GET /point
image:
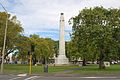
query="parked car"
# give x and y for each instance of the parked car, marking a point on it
(114, 62)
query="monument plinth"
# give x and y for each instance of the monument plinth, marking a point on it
(61, 59)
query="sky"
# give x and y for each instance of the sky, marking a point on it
(42, 16)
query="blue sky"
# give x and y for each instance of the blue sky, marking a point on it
(42, 16)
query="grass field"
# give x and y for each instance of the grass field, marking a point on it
(93, 69)
(19, 68)
(90, 69)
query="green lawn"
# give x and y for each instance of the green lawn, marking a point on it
(90, 69)
(93, 69)
(19, 68)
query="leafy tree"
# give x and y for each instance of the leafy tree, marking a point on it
(13, 32)
(44, 48)
(96, 31)
(72, 52)
(23, 45)
(56, 48)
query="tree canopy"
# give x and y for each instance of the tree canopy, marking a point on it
(13, 31)
(97, 31)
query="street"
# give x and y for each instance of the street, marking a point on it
(16, 77)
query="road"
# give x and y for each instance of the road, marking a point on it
(16, 77)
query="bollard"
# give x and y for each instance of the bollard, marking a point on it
(46, 68)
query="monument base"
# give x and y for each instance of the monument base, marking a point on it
(61, 60)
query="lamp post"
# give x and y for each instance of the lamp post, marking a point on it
(4, 43)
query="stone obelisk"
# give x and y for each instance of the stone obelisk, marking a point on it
(61, 59)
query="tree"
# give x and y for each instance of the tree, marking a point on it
(94, 32)
(72, 52)
(44, 48)
(13, 32)
(23, 45)
(56, 48)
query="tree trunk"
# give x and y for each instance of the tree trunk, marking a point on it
(93, 60)
(46, 66)
(101, 60)
(34, 59)
(84, 62)
(101, 65)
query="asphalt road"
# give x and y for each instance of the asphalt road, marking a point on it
(16, 77)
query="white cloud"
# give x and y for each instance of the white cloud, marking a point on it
(39, 15)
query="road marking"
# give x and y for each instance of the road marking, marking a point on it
(15, 78)
(99, 77)
(22, 75)
(33, 77)
(88, 77)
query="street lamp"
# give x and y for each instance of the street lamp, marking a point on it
(4, 43)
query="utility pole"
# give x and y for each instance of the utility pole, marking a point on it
(4, 43)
